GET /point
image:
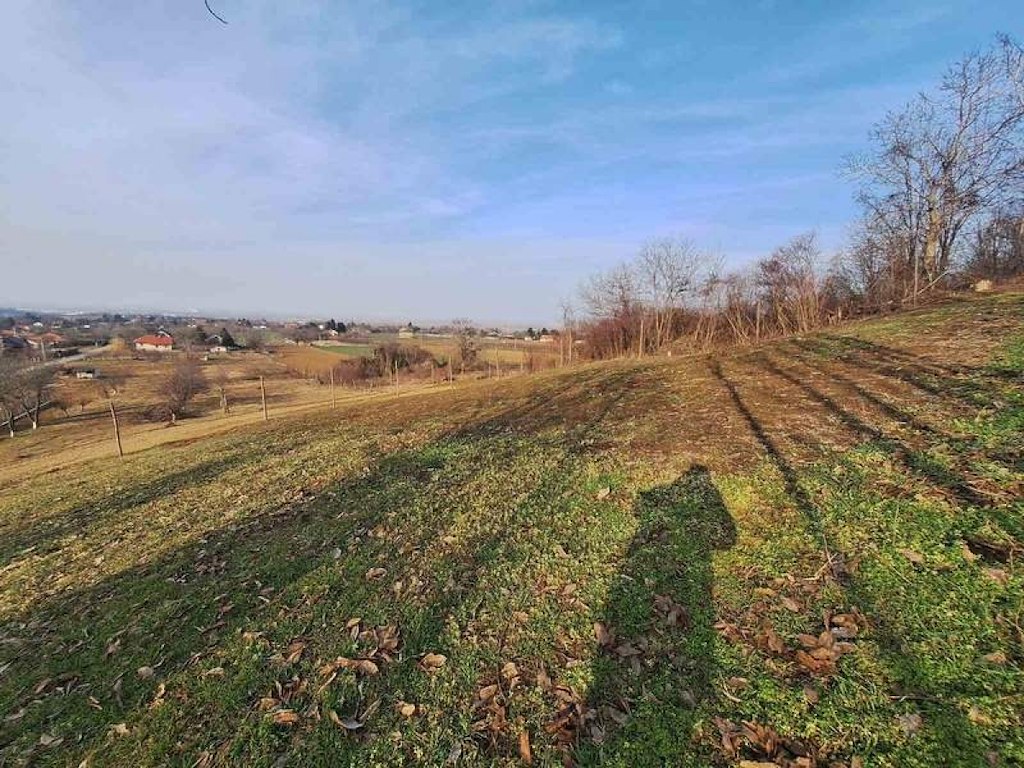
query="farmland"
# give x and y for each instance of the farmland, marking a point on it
(801, 553)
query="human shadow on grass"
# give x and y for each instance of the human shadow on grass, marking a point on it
(654, 671)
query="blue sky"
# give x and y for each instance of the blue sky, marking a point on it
(431, 160)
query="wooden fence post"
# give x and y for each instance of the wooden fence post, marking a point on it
(334, 400)
(263, 397)
(117, 430)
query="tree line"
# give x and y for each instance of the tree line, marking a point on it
(941, 198)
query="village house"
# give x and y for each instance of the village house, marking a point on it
(155, 342)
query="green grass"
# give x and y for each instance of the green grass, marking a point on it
(618, 564)
(348, 350)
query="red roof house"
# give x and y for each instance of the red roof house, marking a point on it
(154, 343)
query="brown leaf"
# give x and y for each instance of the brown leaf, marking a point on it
(376, 573)
(366, 667)
(145, 673)
(772, 641)
(998, 575)
(791, 605)
(287, 717)
(432, 662)
(603, 493)
(604, 637)
(811, 694)
(119, 729)
(294, 652)
(486, 693)
(525, 752)
(543, 680)
(996, 657)
(915, 557)
(405, 709)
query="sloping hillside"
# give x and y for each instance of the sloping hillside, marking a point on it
(803, 554)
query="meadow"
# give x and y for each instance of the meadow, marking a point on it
(805, 553)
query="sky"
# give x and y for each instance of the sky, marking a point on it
(424, 161)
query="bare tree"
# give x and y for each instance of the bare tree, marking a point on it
(33, 384)
(221, 379)
(465, 342)
(666, 271)
(944, 160)
(180, 385)
(790, 285)
(567, 338)
(10, 372)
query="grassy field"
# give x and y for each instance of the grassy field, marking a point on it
(805, 554)
(348, 350)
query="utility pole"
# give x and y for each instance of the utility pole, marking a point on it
(263, 397)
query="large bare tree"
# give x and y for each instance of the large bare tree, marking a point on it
(942, 162)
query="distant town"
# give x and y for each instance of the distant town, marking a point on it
(54, 335)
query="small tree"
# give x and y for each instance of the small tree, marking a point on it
(221, 379)
(10, 370)
(32, 384)
(181, 384)
(465, 343)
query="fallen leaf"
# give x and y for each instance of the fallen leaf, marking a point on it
(432, 662)
(405, 709)
(915, 557)
(376, 573)
(996, 657)
(286, 717)
(525, 753)
(603, 493)
(119, 729)
(145, 673)
(294, 652)
(486, 693)
(602, 634)
(791, 605)
(998, 575)
(366, 667)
